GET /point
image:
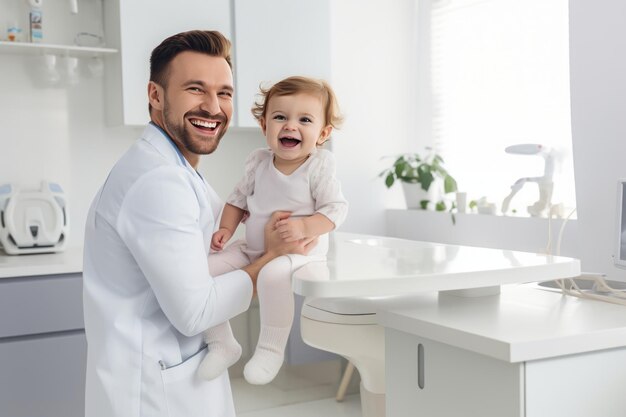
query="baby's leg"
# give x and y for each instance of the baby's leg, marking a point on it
(223, 348)
(277, 308)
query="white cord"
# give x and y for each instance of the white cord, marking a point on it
(615, 296)
(549, 244)
(560, 238)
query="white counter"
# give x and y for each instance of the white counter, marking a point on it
(521, 324)
(67, 262)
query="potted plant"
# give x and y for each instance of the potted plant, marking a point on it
(418, 174)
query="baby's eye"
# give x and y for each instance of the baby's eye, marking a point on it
(305, 120)
(279, 117)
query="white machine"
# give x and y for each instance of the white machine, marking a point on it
(545, 182)
(33, 221)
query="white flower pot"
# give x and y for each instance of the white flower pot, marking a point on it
(413, 194)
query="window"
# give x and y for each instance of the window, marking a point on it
(495, 73)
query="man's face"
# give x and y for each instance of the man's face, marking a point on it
(197, 102)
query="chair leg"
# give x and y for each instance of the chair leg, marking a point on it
(345, 380)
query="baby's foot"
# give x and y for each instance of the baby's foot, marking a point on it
(219, 358)
(263, 367)
(268, 355)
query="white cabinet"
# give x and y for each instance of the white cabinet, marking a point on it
(43, 349)
(275, 39)
(523, 353)
(135, 28)
(457, 382)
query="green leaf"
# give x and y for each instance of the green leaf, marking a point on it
(472, 204)
(440, 206)
(400, 168)
(424, 204)
(389, 180)
(449, 184)
(425, 176)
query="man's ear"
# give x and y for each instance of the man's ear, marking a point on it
(263, 125)
(156, 95)
(324, 135)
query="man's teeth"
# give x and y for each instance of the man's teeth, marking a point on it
(202, 123)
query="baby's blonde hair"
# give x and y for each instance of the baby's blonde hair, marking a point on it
(296, 85)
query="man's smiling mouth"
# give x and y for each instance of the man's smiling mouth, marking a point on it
(205, 124)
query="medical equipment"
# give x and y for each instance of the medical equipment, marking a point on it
(544, 182)
(33, 221)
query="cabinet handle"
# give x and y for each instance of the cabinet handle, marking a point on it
(420, 366)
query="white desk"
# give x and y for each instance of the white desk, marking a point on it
(526, 352)
(361, 265)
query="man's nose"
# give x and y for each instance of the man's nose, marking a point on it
(211, 104)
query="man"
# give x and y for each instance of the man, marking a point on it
(148, 293)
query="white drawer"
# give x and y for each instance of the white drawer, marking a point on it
(40, 304)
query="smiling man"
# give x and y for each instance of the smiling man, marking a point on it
(147, 290)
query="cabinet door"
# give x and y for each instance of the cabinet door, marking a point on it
(276, 39)
(43, 376)
(589, 384)
(448, 381)
(136, 28)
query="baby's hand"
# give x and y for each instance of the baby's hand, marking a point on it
(291, 230)
(220, 238)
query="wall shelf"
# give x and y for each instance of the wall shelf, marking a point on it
(26, 48)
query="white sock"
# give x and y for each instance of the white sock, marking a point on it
(268, 355)
(223, 352)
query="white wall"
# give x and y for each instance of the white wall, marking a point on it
(598, 97)
(373, 74)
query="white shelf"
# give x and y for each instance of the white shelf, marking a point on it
(26, 48)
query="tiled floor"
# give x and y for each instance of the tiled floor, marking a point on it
(301, 391)
(350, 407)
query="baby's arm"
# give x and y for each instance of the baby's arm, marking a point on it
(315, 225)
(231, 217)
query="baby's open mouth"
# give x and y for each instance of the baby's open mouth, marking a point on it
(289, 142)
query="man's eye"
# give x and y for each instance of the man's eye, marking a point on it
(195, 89)
(226, 94)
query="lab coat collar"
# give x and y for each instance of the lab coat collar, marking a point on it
(166, 146)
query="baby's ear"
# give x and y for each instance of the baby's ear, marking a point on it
(262, 124)
(324, 135)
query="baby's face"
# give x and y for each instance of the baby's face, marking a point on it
(294, 126)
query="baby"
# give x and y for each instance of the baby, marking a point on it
(297, 115)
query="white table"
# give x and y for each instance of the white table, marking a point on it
(361, 266)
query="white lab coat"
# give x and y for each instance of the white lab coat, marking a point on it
(147, 290)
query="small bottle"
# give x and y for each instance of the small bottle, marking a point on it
(36, 22)
(13, 32)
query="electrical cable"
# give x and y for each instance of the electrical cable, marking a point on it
(569, 286)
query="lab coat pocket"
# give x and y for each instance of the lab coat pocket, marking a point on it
(189, 396)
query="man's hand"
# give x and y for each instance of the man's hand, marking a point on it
(220, 238)
(275, 245)
(291, 230)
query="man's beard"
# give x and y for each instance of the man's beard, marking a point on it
(181, 133)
